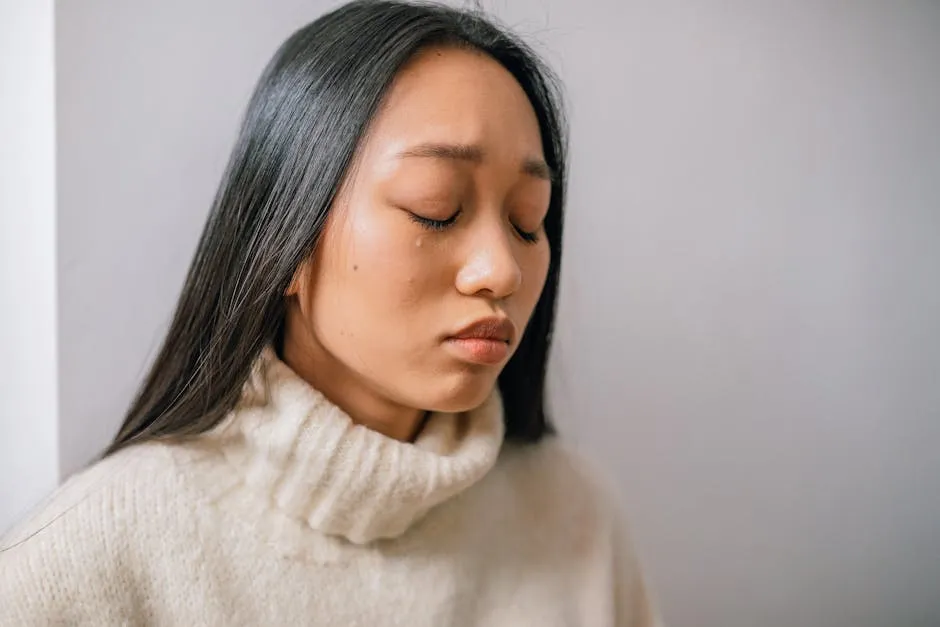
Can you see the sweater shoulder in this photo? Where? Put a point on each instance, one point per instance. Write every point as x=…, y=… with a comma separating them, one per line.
x=80, y=541
x=560, y=477
x=574, y=520
x=91, y=496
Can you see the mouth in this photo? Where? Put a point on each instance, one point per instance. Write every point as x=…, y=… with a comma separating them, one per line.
x=485, y=341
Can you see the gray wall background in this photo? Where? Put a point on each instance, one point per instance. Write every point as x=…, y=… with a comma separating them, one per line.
x=29, y=465
x=748, y=339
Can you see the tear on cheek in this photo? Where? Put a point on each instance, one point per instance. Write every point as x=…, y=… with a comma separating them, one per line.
x=419, y=242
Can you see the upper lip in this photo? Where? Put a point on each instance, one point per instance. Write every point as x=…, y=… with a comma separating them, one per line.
x=492, y=328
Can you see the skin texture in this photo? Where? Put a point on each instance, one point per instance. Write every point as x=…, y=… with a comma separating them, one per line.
x=370, y=313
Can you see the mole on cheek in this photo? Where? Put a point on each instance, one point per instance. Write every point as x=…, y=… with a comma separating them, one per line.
x=355, y=267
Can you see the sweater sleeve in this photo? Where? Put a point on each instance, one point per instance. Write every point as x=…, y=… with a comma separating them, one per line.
x=68, y=563
x=615, y=591
x=44, y=582
x=634, y=606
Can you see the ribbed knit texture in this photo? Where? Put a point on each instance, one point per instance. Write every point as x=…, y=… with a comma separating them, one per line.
x=300, y=452
x=289, y=514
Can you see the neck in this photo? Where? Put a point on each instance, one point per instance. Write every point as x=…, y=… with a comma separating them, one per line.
x=346, y=389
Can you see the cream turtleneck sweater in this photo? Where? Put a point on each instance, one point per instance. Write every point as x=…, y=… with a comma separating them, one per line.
x=287, y=513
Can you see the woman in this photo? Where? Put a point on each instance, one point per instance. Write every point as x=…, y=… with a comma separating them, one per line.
x=345, y=424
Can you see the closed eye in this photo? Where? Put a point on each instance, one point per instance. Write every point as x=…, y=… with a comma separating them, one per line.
x=432, y=224
x=530, y=237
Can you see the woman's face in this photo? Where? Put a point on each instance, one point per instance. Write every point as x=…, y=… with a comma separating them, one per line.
x=437, y=227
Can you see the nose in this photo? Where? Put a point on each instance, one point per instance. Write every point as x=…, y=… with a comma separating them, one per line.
x=491, y=268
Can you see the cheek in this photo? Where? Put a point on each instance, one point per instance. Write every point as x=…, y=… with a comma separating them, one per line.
x=534, y=265
x=385, y=261
x=535, y=271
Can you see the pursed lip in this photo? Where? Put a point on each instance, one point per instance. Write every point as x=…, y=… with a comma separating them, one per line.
x=493, y=328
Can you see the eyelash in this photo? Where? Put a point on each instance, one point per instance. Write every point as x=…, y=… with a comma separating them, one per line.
x=435, y=225
x=529, y=237
x=440, y=225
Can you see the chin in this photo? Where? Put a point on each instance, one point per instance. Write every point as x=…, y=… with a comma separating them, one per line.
x=460, y=393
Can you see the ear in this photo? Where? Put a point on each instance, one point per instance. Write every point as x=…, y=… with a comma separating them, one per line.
x=299, y=279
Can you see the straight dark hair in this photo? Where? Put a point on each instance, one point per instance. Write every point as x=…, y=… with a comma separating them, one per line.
x=305, y=120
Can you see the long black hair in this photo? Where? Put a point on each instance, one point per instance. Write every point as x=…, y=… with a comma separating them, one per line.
x=307, y=116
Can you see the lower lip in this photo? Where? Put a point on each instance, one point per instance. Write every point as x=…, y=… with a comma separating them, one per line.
x=480, y=350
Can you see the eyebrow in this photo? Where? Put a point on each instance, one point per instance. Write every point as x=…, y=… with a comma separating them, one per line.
x=469, y=152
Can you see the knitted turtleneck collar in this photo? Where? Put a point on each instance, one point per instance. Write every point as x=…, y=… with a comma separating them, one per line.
x=306, y=457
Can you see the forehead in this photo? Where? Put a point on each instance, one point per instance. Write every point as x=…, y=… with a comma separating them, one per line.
x=457, y=96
